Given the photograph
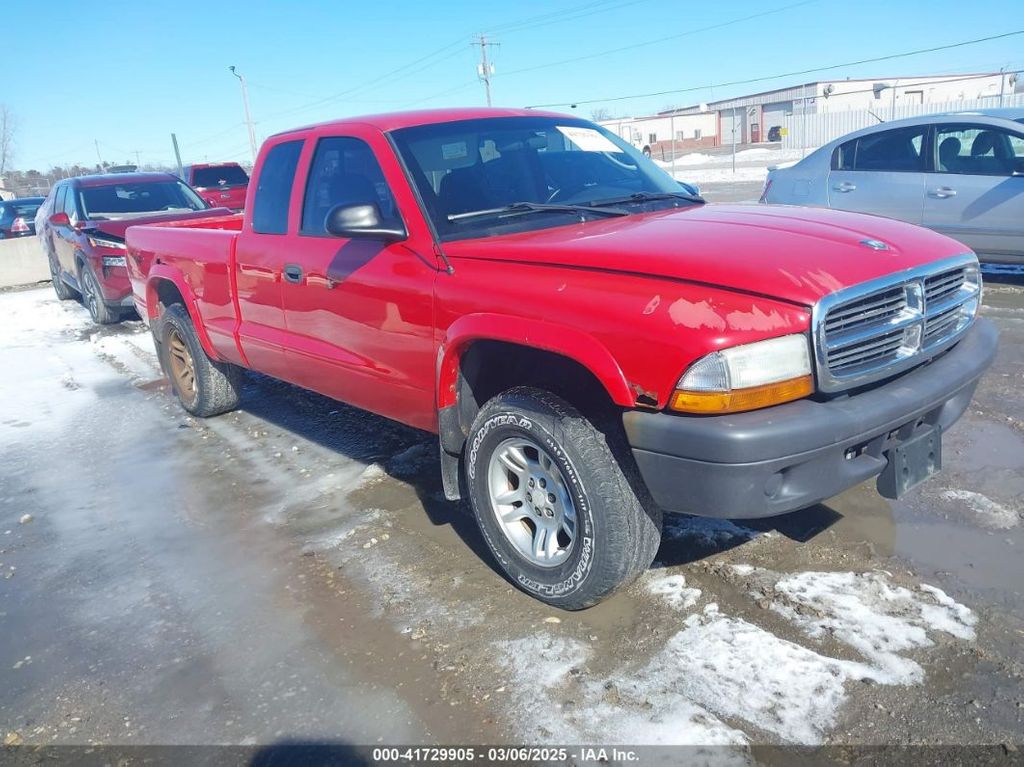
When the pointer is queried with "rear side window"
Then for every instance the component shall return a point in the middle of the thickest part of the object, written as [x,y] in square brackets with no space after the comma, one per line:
[58,199]
[887,151]
[270,206]
[219,176]
[70,205]
[345,171]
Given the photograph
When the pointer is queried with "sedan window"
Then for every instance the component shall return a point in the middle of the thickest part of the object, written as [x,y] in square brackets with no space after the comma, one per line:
[886,151]
[978,151]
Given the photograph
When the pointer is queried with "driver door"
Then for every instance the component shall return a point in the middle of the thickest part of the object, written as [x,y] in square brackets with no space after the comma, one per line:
[359,312]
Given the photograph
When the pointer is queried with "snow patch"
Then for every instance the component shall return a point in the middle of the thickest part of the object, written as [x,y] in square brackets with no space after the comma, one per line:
[707,531]
[988,512]
[673,589]
[739,670]
[624,708]
[877,619]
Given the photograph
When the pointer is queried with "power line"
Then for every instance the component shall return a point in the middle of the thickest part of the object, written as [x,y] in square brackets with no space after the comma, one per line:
[563,15]
[667,38]
[797,73]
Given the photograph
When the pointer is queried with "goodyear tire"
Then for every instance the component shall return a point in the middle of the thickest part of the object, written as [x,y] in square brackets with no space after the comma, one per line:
[203,386]
[552,501]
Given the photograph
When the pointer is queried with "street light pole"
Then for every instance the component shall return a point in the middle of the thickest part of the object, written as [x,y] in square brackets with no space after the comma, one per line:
[248,116]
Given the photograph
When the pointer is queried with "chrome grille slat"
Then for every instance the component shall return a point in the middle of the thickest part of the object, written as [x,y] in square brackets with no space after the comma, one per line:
[886,341]
[878,329]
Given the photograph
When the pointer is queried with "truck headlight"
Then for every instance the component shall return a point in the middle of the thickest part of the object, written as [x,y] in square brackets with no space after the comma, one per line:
[746,377]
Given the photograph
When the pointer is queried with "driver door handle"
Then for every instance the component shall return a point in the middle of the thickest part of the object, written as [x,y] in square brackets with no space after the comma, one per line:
[844,186]
[942,192]
[293,273]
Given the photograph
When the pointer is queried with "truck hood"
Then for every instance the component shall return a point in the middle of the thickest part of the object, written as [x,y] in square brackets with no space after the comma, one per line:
[788,253]
[117,227]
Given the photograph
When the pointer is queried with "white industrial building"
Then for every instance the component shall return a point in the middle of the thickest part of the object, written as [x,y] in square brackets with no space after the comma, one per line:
[753,117]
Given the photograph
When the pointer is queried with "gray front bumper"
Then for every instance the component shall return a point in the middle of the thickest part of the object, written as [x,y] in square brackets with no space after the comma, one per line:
[790,456]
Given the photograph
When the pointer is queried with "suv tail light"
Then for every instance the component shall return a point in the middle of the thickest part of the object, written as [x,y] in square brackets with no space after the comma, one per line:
[19,226]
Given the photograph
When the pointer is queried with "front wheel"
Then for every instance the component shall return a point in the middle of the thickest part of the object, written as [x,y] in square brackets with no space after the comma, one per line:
[554,503]
[92,297]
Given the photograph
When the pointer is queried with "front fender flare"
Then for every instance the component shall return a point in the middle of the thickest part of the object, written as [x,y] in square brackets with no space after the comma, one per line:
[569,342]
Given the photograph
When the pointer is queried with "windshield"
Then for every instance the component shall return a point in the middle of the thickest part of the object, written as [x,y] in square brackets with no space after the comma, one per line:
[219,176]
[463,167]
[127,200]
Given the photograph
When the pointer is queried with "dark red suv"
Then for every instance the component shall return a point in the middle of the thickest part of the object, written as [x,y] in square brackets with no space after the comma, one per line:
[83,233]
[221,184]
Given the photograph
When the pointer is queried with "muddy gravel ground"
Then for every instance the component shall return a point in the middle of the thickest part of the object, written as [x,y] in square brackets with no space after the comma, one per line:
[292,571]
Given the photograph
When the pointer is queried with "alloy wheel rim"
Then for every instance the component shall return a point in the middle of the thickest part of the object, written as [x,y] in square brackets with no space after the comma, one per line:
[183,369]
[531,502]
[90,294]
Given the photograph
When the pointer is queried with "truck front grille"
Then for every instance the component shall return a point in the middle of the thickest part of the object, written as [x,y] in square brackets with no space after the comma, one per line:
[875,330]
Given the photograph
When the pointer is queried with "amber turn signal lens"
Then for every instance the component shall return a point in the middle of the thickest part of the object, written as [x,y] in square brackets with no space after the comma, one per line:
[738,400]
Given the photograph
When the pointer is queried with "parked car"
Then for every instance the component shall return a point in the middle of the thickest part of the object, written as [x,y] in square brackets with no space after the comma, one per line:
[222,185]
[18,217]
[960,174]
[83,232]
[591,343]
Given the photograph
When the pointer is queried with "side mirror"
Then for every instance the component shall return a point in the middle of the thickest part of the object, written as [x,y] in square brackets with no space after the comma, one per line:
[60,219]
[363,221]
[1018,167]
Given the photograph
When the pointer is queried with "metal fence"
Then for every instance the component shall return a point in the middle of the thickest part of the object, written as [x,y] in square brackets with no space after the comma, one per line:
[814,129]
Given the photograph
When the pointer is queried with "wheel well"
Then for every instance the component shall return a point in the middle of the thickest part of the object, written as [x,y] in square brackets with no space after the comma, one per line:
[488,368]
[167,293]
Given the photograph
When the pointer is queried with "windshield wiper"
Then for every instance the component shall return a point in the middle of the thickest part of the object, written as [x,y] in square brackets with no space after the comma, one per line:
[521,208]
[646,197]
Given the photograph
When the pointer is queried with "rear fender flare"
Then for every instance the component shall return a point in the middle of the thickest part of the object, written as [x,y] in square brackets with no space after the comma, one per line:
[164,272]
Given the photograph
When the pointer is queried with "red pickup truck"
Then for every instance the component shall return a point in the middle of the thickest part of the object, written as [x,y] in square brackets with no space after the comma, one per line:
[591,342]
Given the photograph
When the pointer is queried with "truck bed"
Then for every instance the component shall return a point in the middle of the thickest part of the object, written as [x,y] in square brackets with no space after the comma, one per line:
[197,256]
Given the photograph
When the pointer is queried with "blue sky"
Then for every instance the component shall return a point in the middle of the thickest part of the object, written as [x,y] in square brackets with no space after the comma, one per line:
[128,73]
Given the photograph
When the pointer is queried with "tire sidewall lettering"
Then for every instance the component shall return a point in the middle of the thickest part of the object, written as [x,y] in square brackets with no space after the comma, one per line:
[527,576]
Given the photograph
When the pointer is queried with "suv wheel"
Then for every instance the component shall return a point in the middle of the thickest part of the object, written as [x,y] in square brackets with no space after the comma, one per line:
[203,386]
[92,297]
[553,502]
[62,289]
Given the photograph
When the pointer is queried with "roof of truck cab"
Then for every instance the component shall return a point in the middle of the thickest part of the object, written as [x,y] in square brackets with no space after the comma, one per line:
[107,179]
[395,120]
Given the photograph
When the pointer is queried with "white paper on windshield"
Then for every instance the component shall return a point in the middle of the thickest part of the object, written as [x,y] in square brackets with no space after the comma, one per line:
[455,151]
[587,139]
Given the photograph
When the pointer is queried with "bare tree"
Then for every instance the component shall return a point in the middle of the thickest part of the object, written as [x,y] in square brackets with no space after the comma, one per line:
[7,125]
[601,114]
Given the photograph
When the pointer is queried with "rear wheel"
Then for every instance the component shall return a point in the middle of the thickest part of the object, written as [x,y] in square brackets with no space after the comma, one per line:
[553,502]
[62,289]
[92,297]
[204,386]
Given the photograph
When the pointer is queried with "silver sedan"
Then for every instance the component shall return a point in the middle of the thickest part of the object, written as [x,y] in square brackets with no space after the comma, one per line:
[961,174]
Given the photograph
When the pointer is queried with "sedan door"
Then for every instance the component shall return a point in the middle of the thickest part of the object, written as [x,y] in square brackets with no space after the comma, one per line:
[976,194]
[880,173]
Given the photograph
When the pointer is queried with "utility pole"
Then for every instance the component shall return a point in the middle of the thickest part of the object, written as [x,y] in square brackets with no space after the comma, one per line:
[98,155]
[485,69]
[734,139]
[177,156]
[138,162]
[248,116]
